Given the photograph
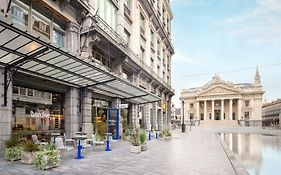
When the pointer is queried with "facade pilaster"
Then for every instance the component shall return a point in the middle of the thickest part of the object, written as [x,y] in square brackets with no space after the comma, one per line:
[134,116]
[222,109]
[87,125]
[169,111]
[5,112]
[71,112]
[154,115]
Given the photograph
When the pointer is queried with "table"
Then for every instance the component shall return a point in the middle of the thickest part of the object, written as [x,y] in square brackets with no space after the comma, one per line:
[55,134]
[79,146]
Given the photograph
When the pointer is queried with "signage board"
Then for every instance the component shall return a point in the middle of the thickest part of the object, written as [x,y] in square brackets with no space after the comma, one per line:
[122,106]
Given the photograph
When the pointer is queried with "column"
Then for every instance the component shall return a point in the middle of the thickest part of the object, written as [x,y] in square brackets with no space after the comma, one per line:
[87,125]
[5,112]
[169,111]
[71,112]
[197,110]
[134,116]
[213,109]
[239,109]
[146,117]
[222,109]
[72,41]
[154,115]
[205,110]
[230,109]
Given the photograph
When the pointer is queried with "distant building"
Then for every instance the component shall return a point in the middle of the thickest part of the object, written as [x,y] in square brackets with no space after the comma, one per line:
[175,115]
[221,100]
[271,113]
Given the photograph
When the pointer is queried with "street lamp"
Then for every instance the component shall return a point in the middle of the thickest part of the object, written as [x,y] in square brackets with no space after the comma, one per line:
[182,125]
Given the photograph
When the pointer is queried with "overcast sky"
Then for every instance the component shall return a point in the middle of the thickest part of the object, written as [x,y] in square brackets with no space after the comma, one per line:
[229,38]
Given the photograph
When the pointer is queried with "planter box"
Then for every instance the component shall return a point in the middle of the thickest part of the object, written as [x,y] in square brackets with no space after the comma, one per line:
[44,161]
[13,153]
[168,138]
[28,157]
[135,149]
[144,147]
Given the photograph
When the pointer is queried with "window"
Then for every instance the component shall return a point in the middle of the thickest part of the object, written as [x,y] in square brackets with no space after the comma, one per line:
[191,105]
[19,15]
[142,24]
[247,103]
[152,62]
[22,91]
[142,52]
[108,12]
[15,90]
[58,37]
[30,92]
[127,37]
[158,69]
[158,48]
[127,8]
[151,38]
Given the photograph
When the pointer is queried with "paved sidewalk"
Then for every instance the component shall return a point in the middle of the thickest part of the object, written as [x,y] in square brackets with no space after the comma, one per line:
[192,153]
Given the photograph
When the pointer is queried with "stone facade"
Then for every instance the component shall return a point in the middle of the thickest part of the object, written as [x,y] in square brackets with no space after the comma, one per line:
[271,113]
[221,100]
[134,43]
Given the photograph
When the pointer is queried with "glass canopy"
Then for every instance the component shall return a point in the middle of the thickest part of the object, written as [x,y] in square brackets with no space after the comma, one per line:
[39,56]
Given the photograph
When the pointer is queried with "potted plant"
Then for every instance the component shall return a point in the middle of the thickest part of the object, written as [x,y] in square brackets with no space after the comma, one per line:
[167,134]
[135,142]
[13,149]
[126,134]
[142,140]
[29,152]
[47,158]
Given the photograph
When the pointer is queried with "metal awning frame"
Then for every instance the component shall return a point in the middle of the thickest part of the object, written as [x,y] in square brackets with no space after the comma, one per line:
[67,76]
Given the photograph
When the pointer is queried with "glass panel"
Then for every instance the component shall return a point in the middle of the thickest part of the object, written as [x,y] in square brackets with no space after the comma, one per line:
[36,93]
[19,15]
[29,47]
[22,91]
[30,92]
[15,90]
[58,37]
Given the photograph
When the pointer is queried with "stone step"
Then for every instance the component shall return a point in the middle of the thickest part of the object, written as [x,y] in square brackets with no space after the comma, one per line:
[219,123]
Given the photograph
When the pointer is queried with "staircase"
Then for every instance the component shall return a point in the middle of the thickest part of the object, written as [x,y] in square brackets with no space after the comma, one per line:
[224,123]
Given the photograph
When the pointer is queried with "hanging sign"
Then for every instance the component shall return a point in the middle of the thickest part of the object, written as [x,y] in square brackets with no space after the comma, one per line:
[122,106]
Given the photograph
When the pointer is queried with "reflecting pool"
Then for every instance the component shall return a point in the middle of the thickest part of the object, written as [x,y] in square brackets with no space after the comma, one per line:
[259,154]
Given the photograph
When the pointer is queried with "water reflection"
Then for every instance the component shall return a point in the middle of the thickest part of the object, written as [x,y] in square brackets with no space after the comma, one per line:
[260,154]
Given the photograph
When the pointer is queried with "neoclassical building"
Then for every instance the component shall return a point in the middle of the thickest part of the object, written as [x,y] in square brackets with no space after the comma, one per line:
[221,100]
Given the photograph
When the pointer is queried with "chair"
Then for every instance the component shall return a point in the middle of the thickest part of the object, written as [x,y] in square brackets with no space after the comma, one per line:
[85,144]
[37,141]
[60,146]
[68,141]
[94,141]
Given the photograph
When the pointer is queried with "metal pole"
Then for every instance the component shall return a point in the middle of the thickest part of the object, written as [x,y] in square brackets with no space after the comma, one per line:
[183,125]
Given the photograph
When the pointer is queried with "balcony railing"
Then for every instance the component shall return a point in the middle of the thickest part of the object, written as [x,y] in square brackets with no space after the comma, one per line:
[136,58]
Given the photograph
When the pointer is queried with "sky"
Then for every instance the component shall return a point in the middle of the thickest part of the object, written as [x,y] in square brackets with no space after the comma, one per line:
[229,38]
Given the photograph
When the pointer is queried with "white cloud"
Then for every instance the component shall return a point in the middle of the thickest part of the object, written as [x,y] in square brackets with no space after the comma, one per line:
[259,25]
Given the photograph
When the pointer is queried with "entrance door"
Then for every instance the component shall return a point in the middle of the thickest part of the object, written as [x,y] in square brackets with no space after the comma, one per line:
[217,114]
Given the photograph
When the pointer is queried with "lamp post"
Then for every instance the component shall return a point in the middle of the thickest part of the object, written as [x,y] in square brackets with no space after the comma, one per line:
[182,125]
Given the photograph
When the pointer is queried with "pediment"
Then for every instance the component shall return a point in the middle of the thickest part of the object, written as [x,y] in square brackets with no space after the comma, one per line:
[218,90]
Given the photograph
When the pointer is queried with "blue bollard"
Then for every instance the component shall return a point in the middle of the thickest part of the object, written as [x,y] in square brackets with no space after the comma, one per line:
[79,155]
[107,144]
[156,135]
[149,135]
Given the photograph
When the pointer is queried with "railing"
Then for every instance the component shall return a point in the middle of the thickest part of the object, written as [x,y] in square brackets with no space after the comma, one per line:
[139,61]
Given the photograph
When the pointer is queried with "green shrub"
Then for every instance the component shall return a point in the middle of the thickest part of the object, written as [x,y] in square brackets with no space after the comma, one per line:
[142,137]
[135,138]
[48,156]
[30,146]
[13,153]
[11,142]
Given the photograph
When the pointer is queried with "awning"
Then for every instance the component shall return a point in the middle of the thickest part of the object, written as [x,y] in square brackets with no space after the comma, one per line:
[30,53]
